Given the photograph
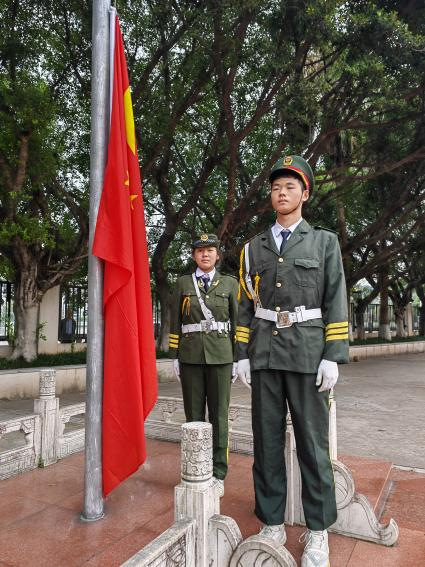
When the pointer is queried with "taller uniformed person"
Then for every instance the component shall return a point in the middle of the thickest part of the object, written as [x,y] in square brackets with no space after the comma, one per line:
[203,325]
[292,332]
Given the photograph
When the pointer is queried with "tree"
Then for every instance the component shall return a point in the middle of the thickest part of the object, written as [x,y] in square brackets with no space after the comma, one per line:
[226,89]
[43,152]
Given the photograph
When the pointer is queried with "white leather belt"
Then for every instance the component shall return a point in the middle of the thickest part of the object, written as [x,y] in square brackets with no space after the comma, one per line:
[206,327]
[285,319]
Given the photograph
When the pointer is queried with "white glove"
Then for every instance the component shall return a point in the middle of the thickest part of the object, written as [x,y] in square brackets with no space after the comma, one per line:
[234,372]
[176,368]
[327,375]
[244,372]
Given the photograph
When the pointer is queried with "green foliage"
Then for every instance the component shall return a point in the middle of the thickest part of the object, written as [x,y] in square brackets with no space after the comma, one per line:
[62,359]
[43,106]
[378,341]
[220,89]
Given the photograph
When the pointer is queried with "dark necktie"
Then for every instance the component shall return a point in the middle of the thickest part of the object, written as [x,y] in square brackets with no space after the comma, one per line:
[285,233]
[206,282]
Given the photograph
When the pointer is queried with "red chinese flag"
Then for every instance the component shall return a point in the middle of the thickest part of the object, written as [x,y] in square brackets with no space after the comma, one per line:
[130,382]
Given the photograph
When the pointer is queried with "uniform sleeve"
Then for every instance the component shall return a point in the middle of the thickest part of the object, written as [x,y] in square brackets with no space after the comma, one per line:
[334,307]
[233,308]
[176,323]
[245,314]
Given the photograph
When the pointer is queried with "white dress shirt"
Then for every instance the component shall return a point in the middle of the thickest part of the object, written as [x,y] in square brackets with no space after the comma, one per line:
[277,229]
[200,273]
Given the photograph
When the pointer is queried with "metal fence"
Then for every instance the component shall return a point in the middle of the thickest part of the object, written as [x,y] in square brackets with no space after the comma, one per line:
[6,310]
[74,298]
[371,317]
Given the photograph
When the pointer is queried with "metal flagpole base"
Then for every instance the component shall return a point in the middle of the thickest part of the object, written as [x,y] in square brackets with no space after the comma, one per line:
[92,519]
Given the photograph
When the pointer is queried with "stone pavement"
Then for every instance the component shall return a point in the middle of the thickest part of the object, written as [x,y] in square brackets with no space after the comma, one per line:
[380,408]
[380,404]
[40,525]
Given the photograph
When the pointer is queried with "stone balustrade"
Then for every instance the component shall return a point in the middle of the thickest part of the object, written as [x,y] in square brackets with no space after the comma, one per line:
[46,436]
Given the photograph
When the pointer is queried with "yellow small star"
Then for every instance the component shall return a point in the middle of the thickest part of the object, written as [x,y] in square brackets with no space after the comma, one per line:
[132,197]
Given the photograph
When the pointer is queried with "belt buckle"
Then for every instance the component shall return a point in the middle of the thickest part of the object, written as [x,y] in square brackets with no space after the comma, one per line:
[283,320]
[206,326]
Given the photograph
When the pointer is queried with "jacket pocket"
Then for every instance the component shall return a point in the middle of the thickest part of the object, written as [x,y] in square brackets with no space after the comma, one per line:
[306,271]
[221,298]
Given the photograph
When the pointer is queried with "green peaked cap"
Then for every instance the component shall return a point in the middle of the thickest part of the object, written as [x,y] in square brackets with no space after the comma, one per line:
[294,164]
[205,240]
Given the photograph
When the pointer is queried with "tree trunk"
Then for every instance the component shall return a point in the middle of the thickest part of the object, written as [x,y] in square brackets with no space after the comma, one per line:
[384,320]
[421,294]
[164,302]
[399,321]
[359,315]
[26,305]
[421,330]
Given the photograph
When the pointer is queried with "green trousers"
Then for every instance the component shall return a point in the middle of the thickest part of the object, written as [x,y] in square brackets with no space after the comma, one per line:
[209,385]
[272,391]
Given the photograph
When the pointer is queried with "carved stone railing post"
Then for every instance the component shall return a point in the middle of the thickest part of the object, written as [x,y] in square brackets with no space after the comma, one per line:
[196,497]
[47,407]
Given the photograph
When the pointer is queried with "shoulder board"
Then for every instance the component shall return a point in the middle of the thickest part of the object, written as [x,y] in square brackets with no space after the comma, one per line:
[230,276]
[258,235]
[263,232]
[326,228]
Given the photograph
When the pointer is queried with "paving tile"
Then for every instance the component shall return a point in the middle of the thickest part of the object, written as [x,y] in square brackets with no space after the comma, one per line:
[76,460]
[370,476]
[136,502]
[406,501]
[54,538]
[120,551]
[50,484]
[74,502]
[14,508]
[39,513]
[408,552]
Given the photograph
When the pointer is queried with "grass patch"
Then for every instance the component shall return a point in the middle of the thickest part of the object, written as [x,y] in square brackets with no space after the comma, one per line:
[162,354]
[377,341]
[61,359]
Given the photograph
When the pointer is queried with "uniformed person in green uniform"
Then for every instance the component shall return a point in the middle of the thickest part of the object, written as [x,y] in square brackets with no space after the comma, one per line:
[202,332]
[292,331]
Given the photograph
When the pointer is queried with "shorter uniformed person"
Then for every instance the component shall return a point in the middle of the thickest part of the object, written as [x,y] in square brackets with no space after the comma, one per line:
[292,331]
[203,324]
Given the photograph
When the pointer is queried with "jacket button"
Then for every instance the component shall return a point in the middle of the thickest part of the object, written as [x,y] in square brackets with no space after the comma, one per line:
[278,309]
[275,333]
[280,260]
[207,297]
[278,284]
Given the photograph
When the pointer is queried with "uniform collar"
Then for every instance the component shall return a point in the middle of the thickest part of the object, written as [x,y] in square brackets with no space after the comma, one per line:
[268,241]
[200,273]
[277,228]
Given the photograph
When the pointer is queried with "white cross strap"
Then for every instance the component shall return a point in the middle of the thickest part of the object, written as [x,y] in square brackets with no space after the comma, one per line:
[205,311]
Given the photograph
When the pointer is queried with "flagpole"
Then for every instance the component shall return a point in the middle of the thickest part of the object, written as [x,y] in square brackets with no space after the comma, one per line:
[93,498]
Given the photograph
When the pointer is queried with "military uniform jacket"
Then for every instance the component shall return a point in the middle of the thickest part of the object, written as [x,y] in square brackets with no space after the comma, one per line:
[200,347]
[309,272]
